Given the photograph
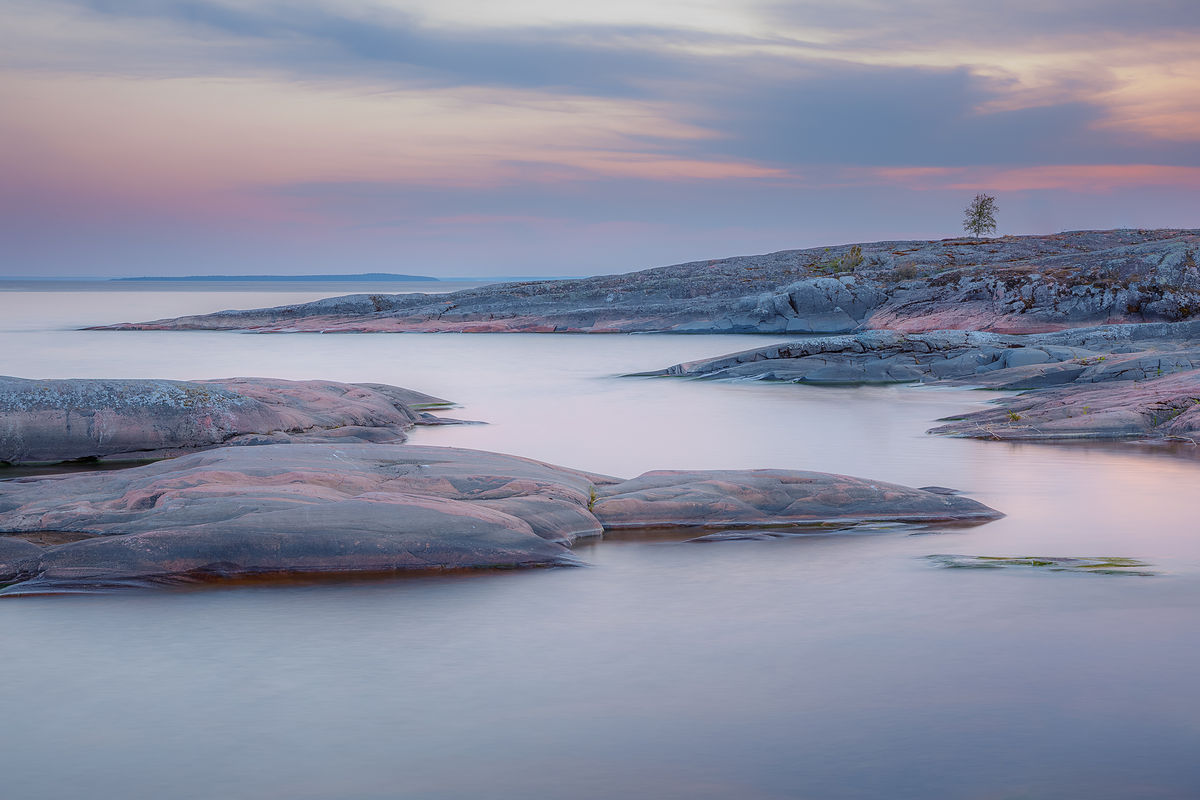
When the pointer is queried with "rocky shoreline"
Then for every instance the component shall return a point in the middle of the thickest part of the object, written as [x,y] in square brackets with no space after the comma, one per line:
[1012,284]
[1014,313]
[327,486]
[1106,382]
[1165,408]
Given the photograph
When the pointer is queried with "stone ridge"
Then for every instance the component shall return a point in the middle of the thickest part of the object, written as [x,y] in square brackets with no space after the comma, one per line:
[1012,284]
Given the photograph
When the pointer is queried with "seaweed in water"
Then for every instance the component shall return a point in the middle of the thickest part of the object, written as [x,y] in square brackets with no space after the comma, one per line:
[1108,565]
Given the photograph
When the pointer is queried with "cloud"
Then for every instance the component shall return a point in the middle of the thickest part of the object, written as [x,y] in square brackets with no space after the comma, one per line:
[1072,177]
[911,23]
[691,127]
[847,114]
[945,73]
[1134,62]
[382,43]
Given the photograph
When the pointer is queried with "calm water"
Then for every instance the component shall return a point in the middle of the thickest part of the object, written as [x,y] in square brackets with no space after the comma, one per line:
[836,666]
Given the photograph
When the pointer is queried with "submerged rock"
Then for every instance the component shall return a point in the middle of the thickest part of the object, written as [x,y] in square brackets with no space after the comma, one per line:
[322,509]
[734,536]
[1012,284]
[46,421]
[809,530]
[1094,566]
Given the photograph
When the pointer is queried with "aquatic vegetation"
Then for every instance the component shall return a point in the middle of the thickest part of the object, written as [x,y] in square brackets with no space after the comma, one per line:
[1106,565]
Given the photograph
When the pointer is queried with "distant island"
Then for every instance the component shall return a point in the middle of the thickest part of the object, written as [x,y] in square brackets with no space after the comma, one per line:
[361,276]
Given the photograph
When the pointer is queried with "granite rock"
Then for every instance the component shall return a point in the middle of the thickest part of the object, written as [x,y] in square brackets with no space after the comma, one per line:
[967,358]
[18,559]
[47,421]
[754,498]
[1167,407]
[1012,284]
[1110,381]
[294,509]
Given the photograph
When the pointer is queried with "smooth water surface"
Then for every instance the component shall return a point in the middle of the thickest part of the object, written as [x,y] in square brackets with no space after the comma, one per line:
[823,666]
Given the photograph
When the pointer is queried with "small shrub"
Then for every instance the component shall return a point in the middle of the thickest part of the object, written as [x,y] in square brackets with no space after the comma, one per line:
[853,258]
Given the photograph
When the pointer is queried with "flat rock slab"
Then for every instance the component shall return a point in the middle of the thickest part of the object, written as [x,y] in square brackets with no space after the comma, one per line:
[1167,407]
[322,509]
[754,498]
[48,421]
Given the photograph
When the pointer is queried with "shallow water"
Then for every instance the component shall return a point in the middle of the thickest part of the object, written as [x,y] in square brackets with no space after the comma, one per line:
[826,666]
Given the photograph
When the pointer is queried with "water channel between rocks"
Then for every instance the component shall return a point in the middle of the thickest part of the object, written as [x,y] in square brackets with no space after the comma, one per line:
[824,666]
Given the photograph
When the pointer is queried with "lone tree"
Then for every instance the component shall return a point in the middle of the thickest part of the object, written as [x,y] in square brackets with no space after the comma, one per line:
[981,216]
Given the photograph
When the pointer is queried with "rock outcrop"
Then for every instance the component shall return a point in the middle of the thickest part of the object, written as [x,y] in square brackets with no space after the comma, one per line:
[1165,408]
[299,509]
[48,421]
[972,358]
[1111,381]
[1013,284]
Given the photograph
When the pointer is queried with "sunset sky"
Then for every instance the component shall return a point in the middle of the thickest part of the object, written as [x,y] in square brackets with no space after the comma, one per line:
[542,137]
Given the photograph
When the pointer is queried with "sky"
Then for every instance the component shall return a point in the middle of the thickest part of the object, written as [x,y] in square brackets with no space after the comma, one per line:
[542,137]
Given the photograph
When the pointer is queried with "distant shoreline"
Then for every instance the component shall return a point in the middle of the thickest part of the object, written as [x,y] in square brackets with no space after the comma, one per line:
[361,276]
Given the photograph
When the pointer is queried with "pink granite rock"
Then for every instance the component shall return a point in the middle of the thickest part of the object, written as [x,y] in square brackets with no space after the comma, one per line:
[59,420]
[742,498]
[322,509]
[300,508]
[1167,407]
